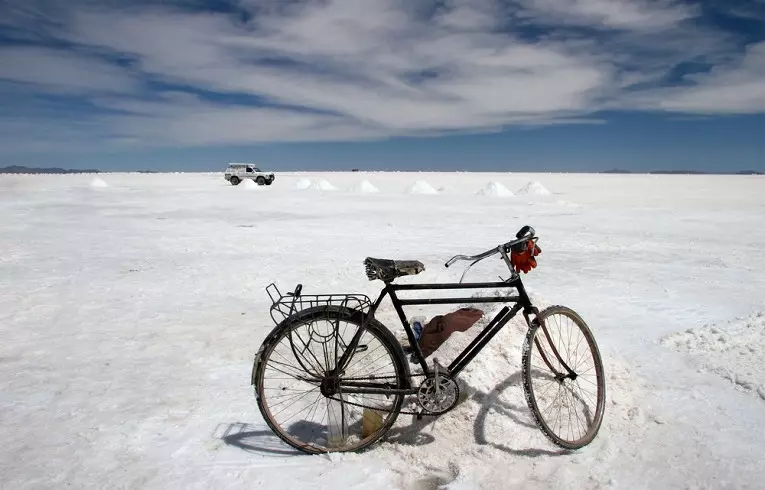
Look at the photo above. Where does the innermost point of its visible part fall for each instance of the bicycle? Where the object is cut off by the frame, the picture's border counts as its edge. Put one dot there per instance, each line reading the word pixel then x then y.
pixel 328 361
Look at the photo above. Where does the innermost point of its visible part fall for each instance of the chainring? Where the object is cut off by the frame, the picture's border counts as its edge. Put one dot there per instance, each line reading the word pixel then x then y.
pixel 438 394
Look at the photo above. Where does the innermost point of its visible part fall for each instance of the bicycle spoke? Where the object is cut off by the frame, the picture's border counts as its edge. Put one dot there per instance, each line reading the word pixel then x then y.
pixel 300 412
pixel 569 415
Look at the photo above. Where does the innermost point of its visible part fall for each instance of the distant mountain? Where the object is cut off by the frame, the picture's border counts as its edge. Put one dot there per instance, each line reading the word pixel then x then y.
pixel 18 169
pixel 678 172
pixel 683 172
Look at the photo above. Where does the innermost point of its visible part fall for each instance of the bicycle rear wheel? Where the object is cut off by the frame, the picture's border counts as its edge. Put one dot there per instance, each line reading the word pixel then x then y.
pixel 563 377
pixel 291 380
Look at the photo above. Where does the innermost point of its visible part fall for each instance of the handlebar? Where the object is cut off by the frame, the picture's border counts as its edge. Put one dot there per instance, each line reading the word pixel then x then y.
pixel 526 230
pixel 524 234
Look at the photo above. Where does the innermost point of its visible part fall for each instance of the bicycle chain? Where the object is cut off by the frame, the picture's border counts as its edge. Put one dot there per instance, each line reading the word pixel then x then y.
pixel 405 412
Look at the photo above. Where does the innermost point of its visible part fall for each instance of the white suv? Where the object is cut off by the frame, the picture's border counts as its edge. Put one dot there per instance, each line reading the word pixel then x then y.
pixel 236 172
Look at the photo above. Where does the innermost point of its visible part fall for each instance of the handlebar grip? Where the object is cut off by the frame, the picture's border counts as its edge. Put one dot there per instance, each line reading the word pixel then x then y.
pixel 525 230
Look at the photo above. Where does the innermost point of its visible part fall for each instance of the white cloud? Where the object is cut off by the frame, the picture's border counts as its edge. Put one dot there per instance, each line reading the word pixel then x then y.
pixel 377 68
pixel 357 58
pixel 737 87
pixel 57 70
pixel 650 15
pixel 187 120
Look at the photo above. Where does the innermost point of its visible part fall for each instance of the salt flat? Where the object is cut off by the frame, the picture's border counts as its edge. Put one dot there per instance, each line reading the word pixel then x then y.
pixel 131 308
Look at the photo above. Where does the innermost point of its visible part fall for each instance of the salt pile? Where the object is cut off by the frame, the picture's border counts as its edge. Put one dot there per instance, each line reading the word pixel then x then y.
pixel 322 185
pixel 733 351
pixel 421 187
pixel 534 188
pixel 303 184
pixel 495 189
pixel 250 184
pixel 97 182
pixel 364 187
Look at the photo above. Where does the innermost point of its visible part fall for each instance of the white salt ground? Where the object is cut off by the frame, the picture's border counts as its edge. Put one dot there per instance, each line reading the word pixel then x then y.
pixel 733 350
pixel 129 323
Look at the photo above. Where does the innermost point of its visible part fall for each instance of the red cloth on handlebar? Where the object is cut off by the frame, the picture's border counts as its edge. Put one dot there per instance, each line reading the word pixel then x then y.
pixel 522 256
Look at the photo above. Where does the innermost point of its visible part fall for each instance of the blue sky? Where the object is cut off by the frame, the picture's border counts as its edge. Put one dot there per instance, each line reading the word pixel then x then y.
pixel 547 85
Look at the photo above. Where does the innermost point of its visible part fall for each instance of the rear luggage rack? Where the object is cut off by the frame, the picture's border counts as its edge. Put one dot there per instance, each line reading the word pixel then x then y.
pixel 284 306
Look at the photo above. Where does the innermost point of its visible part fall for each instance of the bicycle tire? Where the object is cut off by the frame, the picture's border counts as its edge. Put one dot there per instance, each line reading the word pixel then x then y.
pixel 529 391
pixel 353 317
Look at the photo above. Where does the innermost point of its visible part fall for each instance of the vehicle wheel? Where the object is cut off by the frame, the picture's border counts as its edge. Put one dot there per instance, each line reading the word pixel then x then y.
pixel 260 180
pixel 234 180
pixel 291 365
pixel 553 392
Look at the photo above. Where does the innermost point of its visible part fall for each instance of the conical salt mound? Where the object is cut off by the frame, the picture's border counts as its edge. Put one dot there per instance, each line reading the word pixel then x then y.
pixel 322 185
pixel 98 182
pixel 495 189
pixel 250 184
pixel 303 184
pixel 534 188
pixel 364 187
pixel 421 187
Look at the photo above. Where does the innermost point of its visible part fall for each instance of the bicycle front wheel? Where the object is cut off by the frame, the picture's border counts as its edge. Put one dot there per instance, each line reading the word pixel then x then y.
pixel 296 396
pixel 563 377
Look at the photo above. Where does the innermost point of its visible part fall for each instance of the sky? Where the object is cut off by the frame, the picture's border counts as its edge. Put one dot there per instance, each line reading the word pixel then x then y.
pixel 489 85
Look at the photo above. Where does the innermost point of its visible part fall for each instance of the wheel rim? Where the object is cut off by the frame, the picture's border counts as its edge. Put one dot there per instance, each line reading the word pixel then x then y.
pixel 291 393
pixel 565 379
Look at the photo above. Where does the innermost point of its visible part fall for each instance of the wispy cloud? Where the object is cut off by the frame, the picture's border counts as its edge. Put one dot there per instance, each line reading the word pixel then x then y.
pixel 356 69
pixel 736 87
pixel 58 70
pixel 646 15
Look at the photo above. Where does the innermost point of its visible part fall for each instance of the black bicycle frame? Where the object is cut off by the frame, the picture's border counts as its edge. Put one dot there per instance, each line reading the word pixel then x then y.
pixel 520 302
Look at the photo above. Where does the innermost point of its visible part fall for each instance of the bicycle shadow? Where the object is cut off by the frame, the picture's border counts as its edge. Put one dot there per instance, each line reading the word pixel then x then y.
pixel 491 401
pixel 253 439
pixel 261 440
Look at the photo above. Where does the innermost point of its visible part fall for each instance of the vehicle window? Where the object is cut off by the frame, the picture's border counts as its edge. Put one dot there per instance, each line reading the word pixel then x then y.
pixel 249 169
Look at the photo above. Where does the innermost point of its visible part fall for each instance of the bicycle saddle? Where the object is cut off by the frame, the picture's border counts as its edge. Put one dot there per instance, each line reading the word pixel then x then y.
pixel 387 270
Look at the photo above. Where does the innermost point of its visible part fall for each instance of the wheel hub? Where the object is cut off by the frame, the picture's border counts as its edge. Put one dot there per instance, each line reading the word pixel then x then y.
pixel 560 377
pixel 329 385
